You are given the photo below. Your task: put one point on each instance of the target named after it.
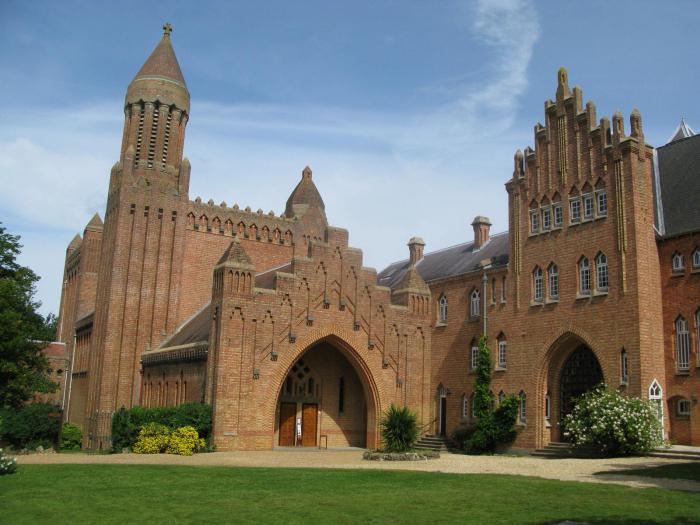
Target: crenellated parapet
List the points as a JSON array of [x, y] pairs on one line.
[[220, 219]]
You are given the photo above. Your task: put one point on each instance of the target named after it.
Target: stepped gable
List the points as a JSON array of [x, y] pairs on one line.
[[236, 256], [448, 262], [679, 185], [162, 63], [304, 196]]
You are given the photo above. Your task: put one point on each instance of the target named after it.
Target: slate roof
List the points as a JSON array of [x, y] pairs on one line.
[[305, 193], [449, 262], [679, 185], [194, 330]]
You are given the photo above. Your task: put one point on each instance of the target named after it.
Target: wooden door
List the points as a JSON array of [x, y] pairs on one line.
[[288, 413], [309, 421]]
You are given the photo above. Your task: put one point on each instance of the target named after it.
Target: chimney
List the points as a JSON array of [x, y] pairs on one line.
[[481, 226], [415, 249]]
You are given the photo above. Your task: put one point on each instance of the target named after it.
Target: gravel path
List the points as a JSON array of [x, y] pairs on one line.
[[586, 470]]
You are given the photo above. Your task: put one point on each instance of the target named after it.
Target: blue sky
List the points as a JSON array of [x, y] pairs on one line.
[[413, 109]]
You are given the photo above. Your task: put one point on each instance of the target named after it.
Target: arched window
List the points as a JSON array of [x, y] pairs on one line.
[[601, 268], [474, 303], [474, 355], [502, 351], [574, 206], [442, 309], [682, 344], [553, 278], [624, 370], [601, 201], [465, 406], [537, 284], [584, 276], [696, 258], [534, 218], [677, 262], [522, 408], [656, 398]]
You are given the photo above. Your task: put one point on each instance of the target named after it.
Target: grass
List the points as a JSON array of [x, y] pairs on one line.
[[690, 471], [178, 494]]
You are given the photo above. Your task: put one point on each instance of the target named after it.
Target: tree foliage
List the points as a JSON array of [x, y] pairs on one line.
[[493, 427], [24, 370]]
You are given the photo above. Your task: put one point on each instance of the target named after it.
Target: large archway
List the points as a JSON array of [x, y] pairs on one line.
[[572, 370], [324, 401]]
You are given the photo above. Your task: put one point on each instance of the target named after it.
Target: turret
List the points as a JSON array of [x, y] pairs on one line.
[[234, 274], [156, 110]]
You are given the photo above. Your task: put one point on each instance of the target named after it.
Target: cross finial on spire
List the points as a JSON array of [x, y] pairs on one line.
[[167, 29]]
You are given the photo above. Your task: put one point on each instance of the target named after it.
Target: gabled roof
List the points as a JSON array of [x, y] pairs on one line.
[[162, 63], [194, 330], [235, 255], [679, 185], [448, 262]]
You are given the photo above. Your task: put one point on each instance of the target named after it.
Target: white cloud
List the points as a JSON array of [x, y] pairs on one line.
[[385, 177]]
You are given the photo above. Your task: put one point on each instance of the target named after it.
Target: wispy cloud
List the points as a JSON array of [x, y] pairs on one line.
[[383, 175]]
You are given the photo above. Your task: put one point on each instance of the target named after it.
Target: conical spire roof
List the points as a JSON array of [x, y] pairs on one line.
[[75, 243], [235, 255], [162, 64], [95, 222], [305, 194], [683, 131]]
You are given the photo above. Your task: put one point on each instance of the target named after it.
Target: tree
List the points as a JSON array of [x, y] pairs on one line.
[[24, 370], [493, 427]]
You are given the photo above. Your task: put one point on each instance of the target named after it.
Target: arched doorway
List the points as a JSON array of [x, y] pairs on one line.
[[570, 369], [322, 401], [581, 373]]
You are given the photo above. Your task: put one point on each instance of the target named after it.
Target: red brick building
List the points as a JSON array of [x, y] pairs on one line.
[[276, 323]]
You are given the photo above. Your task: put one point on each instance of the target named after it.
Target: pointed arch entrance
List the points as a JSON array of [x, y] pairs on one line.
[[572, 370], [326, 400]]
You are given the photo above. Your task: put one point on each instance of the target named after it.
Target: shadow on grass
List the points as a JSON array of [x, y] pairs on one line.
[[623, 520], [689, 471]]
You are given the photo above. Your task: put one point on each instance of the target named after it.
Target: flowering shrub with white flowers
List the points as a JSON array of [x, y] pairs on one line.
[[8, 465], [613, 423]]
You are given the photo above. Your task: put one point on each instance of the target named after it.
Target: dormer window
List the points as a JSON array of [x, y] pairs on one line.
[[677, 262]]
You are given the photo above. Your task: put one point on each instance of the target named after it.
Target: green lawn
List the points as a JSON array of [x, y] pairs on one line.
[[131, 494], [689, 471]]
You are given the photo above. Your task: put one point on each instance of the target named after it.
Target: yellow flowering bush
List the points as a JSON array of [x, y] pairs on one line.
[[154, 438], [185, 441]]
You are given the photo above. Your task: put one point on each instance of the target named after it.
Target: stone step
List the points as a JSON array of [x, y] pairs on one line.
[[675, 455]]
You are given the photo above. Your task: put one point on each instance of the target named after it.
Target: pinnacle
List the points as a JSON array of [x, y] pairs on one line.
[[162, 63], [96, 221], [75, 243]]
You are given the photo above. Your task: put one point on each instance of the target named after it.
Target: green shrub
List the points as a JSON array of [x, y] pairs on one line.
[[153, 438], [71, 437], [613, 423], [8, 465], [127, 423], [399, 429], [493, 427], [30, 426], [185, 441]]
